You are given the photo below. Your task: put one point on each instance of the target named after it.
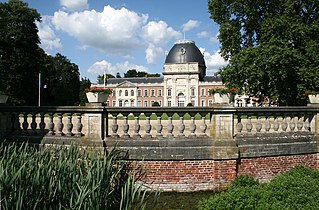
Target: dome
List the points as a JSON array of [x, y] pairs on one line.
[[185, 51]]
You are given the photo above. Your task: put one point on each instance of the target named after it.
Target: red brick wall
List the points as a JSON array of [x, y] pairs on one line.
[[194, 175], [264, 168]]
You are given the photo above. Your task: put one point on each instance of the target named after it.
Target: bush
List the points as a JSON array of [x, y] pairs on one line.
[[156, 104], [66, 178], [295, 189], [189, 104]]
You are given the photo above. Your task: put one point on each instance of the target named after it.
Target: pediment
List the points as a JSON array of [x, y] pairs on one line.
[[126, 84]]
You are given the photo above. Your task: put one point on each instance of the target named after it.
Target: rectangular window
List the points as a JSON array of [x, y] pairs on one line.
[[202, 103], [113, 103], [169, 103], [139, 103], [203, 92], [152, 102], [193, 102], [139, 93], [193, 92], [159, 92], [160, 103], [145, 103], [210, 102], [132, 92], [120, 103], [145, 92], [152, 93], [169, 92]]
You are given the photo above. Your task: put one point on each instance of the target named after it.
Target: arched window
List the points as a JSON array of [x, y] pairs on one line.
[[120, 93], [126, 92], [132, 92]]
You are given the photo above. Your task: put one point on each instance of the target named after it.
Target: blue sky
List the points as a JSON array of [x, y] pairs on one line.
[[114, 36]]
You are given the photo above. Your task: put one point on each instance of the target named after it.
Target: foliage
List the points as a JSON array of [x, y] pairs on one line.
[[84, 84], [19, 52], [156, 104], [98, 90], [62, 80], [295, 189], [272, 47], [133, 73], [223, 91], [189, 104], [100, 78], [66, 178]]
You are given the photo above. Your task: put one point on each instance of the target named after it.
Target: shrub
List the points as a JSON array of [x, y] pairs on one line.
[[295, 189], [66, 178], [189, 104], [156, 104]]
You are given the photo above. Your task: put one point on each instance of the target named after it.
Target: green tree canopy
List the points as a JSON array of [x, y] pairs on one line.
[[19, 52], [272, 46]]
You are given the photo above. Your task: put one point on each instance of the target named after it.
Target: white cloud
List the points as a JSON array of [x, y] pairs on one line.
[[190, 25], [215, 38], [213, 62], [100, 67], [114, 31], [48, 38], [203, 34], [157, 35], [74, 5]]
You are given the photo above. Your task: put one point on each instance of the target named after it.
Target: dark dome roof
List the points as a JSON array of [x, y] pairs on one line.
[[185, 51]]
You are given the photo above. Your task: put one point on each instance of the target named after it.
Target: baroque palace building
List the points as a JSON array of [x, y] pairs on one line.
[[184, 81]]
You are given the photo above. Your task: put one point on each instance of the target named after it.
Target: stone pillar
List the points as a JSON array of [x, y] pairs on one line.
[[5, 124], [94, 126], [222, 131]]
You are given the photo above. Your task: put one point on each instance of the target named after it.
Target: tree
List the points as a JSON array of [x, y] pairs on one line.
[[272, 47], [62, 79], [19, 52], [118, 75], [84, 83], [100, 78]]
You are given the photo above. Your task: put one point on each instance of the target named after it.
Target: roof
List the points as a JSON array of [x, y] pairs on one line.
[[185, 51], [212, 79], [136, 80]]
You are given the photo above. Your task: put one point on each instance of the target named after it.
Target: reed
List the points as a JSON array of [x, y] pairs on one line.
[[66, 178]]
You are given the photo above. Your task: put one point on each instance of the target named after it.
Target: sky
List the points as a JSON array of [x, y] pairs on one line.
[[110, 36]]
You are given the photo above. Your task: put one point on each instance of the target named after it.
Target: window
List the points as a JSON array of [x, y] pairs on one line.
[[120, 103], [160, 103], [159, 92], [113, 103], [145, 92], [139, 103], [169, 92], [210, 102], [113, 93], [139, 93], [126, 92], [169, 103], [120, 93], [132, 92], [145, 103], [181, 103], [193, 102], [203, 92], [202, 103], [152, 102], [152, 93], [132, 103], [193, 92]]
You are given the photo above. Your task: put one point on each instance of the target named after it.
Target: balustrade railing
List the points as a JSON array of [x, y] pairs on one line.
[[152, 122]]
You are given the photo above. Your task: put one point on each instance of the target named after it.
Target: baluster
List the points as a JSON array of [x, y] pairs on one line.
[[181, 126], [258, 123], [42, 124], [292, 124], [170, 126], [192, 126], [51, 125], [69, 125], [34, 123], [267, 123], [60, 125], [115, 127], [307, 123], [159, 127], [239, 125], [125, 126], [136, 127], [300, 122], [276, 123], [249, 125], [284, 123], [203, 126], [148, 126], [25, 124], [79, 125]]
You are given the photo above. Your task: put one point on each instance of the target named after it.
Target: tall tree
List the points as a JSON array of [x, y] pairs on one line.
[[19, 52], [272, 46]]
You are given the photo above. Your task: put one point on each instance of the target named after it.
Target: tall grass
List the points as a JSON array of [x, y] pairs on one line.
[[66, 178]]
